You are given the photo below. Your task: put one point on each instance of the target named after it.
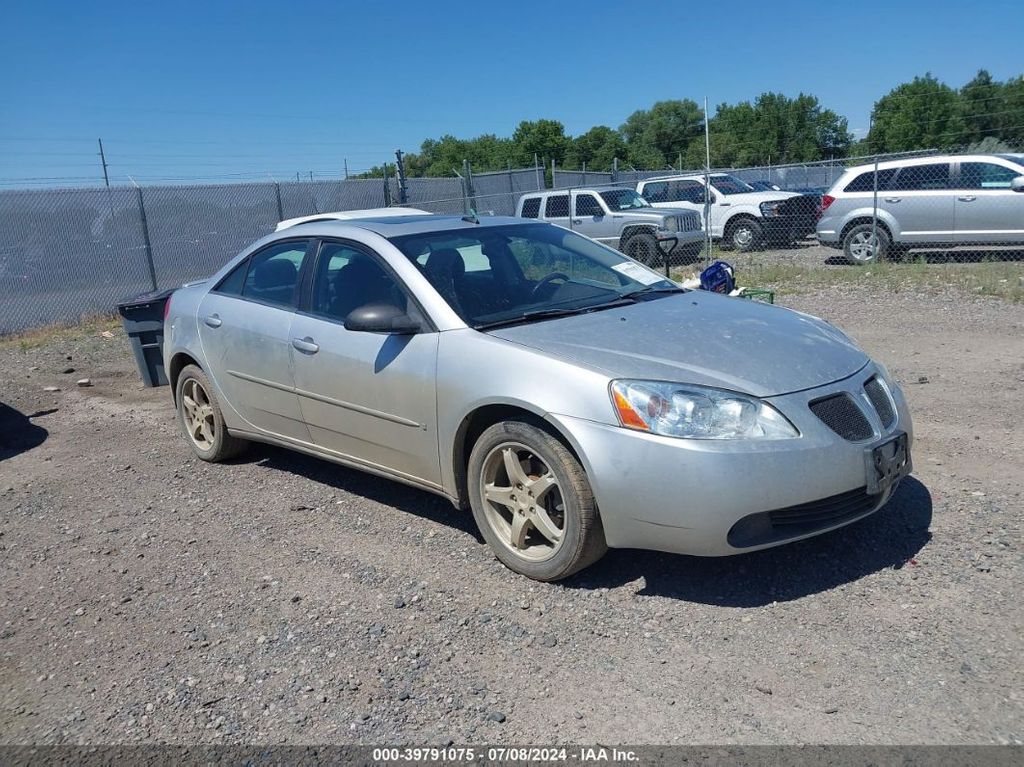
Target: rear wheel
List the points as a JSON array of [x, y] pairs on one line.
[[744, 234], [643, 247], [864, 244], [201, 419], [532, 502]]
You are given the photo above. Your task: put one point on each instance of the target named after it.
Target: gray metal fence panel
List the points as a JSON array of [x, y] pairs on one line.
[[573, 178], [66, 253]]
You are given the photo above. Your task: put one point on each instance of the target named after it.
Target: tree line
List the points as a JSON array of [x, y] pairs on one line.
[[773, 129]]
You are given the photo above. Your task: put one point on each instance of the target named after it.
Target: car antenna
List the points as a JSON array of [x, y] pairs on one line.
[[470, 218]]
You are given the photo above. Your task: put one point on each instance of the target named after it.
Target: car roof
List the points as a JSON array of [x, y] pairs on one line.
[[592, 188], [397, 226], [928, 160], [681, 176], [350, 214]]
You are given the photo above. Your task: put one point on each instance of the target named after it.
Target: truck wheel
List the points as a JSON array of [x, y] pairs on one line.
[[860, 248], [643, 247], [532, 502], [744, 234]]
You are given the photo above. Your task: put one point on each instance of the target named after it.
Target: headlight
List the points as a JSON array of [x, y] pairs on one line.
[[769, 209], [671, 224], [696, 412]]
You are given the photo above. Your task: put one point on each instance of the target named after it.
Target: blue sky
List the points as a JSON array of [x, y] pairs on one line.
[[204, 90]]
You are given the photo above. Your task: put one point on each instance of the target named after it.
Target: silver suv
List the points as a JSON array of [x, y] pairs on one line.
[[925, 202], [620, 218]]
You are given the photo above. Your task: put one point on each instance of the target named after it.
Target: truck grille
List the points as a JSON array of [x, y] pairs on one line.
[[840, 413], [804, 518], [880, 400], [688, 223]]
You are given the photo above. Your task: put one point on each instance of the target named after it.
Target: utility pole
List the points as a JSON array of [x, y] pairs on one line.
[[707, 183], [103, 159]]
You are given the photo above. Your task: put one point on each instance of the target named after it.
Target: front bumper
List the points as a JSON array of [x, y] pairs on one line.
[[690, 496], [789, 228]]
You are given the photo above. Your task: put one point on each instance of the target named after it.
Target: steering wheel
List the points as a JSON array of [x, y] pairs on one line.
[[547, 281]]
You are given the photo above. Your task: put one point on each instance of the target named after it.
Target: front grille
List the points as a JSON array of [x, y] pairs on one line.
[[689, 223], [804, 518], [840, 413], [880, 401]]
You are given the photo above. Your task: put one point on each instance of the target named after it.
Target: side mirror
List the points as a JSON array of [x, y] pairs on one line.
[[381, 318], [1017, 184]]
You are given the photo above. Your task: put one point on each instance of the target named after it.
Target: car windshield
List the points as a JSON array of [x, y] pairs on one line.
[[727, 184], [623, 199], [503, 275]]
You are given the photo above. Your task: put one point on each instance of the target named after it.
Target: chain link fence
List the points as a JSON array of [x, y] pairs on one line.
[[66, 253]]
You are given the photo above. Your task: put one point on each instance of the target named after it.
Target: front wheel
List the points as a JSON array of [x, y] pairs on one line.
[[861, 245], [532, 502], [643, 247], [745, 234]]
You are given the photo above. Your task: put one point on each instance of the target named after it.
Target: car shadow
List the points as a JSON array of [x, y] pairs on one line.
[[889, 538], [18, 433], [972, 256], [404, 498]]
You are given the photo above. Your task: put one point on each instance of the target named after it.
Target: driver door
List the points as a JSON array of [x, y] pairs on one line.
[[369, 397]]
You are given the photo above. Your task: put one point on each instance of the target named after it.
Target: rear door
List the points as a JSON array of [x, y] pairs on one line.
[[988, 211], [922, 200], [370, 397], [244, 326]]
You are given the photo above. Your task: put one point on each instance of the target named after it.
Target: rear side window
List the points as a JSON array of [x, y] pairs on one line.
[[557, 207], [232, 284], [865, 182], [274, 273], [986, 175], [656, 191], [922, 178], [531, 207]]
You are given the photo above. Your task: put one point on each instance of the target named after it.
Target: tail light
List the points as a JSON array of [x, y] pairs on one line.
[[826, 200], [167, 307]]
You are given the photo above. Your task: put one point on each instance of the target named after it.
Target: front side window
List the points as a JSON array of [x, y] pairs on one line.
[[727, 184], [531, 207], [273, 273], [623, 199], [557, 206], [347, 278], [922, 178], [687, 191], [587, 205], [986, 175], [533, 270]]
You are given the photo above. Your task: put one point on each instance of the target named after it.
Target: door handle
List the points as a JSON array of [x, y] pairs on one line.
[[213, 321], [893, 199], [305, 345], [577, 220], [967, 198]]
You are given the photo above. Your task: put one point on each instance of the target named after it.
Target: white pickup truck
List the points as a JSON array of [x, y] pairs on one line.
[[741, 217]]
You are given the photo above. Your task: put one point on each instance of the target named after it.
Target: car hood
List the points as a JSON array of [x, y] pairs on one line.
[[756, 198], [700, 338]]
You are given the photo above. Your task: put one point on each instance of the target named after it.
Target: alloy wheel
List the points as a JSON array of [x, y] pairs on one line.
[[197, 414], [523, 503]]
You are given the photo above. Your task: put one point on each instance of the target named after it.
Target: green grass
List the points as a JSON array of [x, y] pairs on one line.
[[1003, 280], [37, 337]]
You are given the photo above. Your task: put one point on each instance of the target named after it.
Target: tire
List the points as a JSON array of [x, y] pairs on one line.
[[744, 234], [202, 422], [643, 247], [858, 248], [559, 502]]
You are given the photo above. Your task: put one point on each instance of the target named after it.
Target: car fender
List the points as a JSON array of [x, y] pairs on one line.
[[728, 213], [867, 211]]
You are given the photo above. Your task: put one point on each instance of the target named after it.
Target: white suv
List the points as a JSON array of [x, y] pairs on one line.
[[741, 217]]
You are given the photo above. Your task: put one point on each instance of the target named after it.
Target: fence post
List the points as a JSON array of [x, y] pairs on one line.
[[553, 184], [511, 186], [467, 172], [536, 170], [403, 194], [145, 237], [387, 187], [280, 208], [584, 174], [874, 211], [615, 170]]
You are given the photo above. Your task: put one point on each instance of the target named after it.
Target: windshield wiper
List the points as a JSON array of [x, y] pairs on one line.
[[547, 314], [649, 290]]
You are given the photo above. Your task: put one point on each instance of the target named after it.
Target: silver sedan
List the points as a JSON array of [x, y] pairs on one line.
[[570, 397]]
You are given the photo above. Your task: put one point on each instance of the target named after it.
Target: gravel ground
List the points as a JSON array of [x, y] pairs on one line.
[[148, 597]]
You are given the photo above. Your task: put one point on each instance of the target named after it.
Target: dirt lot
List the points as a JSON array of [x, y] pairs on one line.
[[146, 596]]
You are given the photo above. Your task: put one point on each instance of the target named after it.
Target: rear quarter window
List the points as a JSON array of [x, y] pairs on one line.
[[865, 182], [531, 207]]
